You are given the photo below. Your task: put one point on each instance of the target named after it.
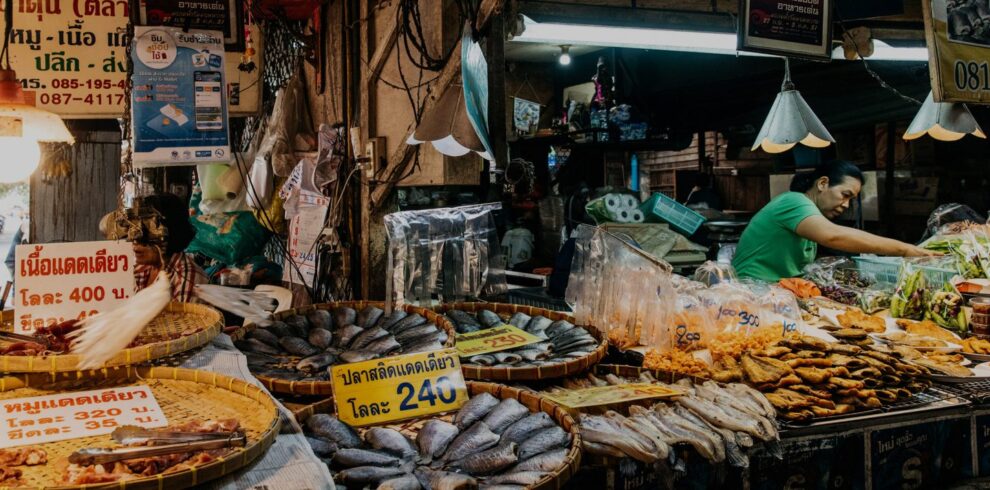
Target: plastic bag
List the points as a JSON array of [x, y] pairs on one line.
[[732, 307], [948, 214], [448, 254], [711, 273], [946, 309], [691, 325], [910, 296], [228, 237]]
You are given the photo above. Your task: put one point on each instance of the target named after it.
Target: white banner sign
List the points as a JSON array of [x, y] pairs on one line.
[[55, 282], [40, 419]]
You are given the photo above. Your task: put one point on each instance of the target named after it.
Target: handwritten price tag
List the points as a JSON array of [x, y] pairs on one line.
[[495, 339], [64, 416], [607, 395], [398, 388]]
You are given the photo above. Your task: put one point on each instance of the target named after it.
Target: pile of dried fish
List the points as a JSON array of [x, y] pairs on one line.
[[564, 341], [805, 377], [719, 421], [302, 346], [489, 442]]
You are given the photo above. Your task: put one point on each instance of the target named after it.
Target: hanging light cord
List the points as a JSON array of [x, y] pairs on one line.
[[787, 84], [869, 71], [8, 18]]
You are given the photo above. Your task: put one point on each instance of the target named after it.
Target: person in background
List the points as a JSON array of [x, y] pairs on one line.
[[784, 236], [153, 256], [703, 195], [20, 238]]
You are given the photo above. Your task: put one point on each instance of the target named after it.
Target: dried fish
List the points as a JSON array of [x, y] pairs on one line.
[[519, 478], [319, 319], [425, 346], [363, 475], [505, 414], [476, 439], [297, 346], [366, 337], [506, 357], [351, 457], [474, 410], [526, 426], [344, 316], [320, 447], [387, 322], [343, 336], [544, 440], [406, 482], [489, 318], [547, 461], [320, 338], [434, 437], [383, 345], [489, 461], [390, 440], [519, 320], [444, 480], [316, 362], [369, 316], [408, 322], [463, 322], [256, 346], [298, 326], [333, 430], [279, 328], [409, 334], [357, 355], [482, 360], [263, 335]]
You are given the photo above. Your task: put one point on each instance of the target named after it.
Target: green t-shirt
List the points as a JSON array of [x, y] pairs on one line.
[[770, 247]]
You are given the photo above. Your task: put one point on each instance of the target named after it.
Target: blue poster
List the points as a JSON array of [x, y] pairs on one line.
[[178, 103]]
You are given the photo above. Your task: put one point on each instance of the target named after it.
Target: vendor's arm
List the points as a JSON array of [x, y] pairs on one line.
[[837, 237]]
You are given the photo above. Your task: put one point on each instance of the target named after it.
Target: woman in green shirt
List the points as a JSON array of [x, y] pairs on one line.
[[784, 236]]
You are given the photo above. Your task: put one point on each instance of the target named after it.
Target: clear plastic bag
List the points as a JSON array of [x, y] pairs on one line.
[[447, 254], [711, 273], [733, 308], [911, 295], [691, 325], [947, 214]]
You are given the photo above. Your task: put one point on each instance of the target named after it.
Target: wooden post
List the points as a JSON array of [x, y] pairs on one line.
[[496, 92]]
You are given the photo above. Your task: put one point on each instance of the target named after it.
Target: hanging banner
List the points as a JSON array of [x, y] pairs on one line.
[[212, 15], [796, 28], [958, 41], [55, 282], [72, 57], [178, 104]]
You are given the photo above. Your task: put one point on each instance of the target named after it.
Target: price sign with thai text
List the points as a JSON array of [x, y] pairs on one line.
[[63, 416], [398, 388], [958, 51], [607, 395], [71, 54], [495, 339], [55, 282]]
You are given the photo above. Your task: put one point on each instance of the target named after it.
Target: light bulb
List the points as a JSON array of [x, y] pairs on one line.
[[19, 157], [565, 57]]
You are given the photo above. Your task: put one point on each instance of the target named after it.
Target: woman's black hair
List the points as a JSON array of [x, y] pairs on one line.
[[836, 171], [176, 216]]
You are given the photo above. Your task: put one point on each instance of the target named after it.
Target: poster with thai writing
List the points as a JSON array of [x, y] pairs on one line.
[[958, 39], [71, 56], [64, 416], [178, 104], [54, 282], [212, 15], [801, 28]]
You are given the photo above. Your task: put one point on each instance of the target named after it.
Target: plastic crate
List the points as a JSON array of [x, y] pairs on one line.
[[888, 269], [682, 218]]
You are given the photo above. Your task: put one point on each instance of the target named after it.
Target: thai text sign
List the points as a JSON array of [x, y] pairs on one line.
[[958, 42], [55, 282], [397, 388], [72, 54], [495, 339], [788, 27], [607, 395], [40, 419]]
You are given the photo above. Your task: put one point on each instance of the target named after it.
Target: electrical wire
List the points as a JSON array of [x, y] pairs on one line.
[[866, 65]]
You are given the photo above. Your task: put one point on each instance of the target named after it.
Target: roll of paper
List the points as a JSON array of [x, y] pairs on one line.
[[629, 202], [637, 216], [613, 203]]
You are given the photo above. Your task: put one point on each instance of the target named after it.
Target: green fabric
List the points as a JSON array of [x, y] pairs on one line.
[[770, 247]]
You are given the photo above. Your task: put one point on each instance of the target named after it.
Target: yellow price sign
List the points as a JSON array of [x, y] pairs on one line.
[[607, 395], [398, 388], [495, 339]]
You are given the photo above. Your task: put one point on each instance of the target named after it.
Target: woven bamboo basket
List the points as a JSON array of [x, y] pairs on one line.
[[183, 394], [555, 480], [555, 370], [202, 323], [325, 387]]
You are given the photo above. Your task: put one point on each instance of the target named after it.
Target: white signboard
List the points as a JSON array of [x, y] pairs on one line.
[[55, 282], [63, 416], [304, 231]]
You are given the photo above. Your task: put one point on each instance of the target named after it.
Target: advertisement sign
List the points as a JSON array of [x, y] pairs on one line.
[[179, 105], [398, 388], [212, 15], [63, 416], [72, 57], [55, 282], [797, 28], [921, 455], [958, 39]]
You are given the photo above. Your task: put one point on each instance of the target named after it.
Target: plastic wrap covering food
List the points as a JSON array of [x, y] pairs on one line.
[[618, 288], [711, 273], [691, 326], [950, 218], [910, 296], [446, 254], [838, 279], [732, 307]]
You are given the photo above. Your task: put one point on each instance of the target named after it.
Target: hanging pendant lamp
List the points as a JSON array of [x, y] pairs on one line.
[[944, 121], [448, 128], [791, 121], [22, 125]]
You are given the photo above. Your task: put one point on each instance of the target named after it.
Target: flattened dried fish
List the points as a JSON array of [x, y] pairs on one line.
[[263, 335], [320, 338], [526, 426], [424, 346], [434, 437], [474, 410], [297, 346], [350, 457], [344, 316], [383, 345], [366, 337], [476, 439], [316, 362], [505, 414], [519, 320], [319, 319], [548, 461], [463, 322], [506, 357], [489, 461], [482, 360], [519, 478], [322, 448], [390, 440], [333, 430], [279, 328], [407, 482], [409, 334], [558, 327], [369, 316], [343, 336], [363, 475], [357, 355], [489, 318], [538, 325], [257, 346], [408, 322], [444, 480], [298, 325], [544, 440]]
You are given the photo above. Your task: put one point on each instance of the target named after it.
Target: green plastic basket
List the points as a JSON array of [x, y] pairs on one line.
[[888, 269], [661, 208]]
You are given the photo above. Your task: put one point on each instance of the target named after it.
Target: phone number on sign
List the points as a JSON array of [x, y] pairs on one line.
[[46, 98]]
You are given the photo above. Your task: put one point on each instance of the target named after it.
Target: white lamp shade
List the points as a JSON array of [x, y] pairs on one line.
[[38, 125], [448, 128], [791, 121], [944, 121]]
